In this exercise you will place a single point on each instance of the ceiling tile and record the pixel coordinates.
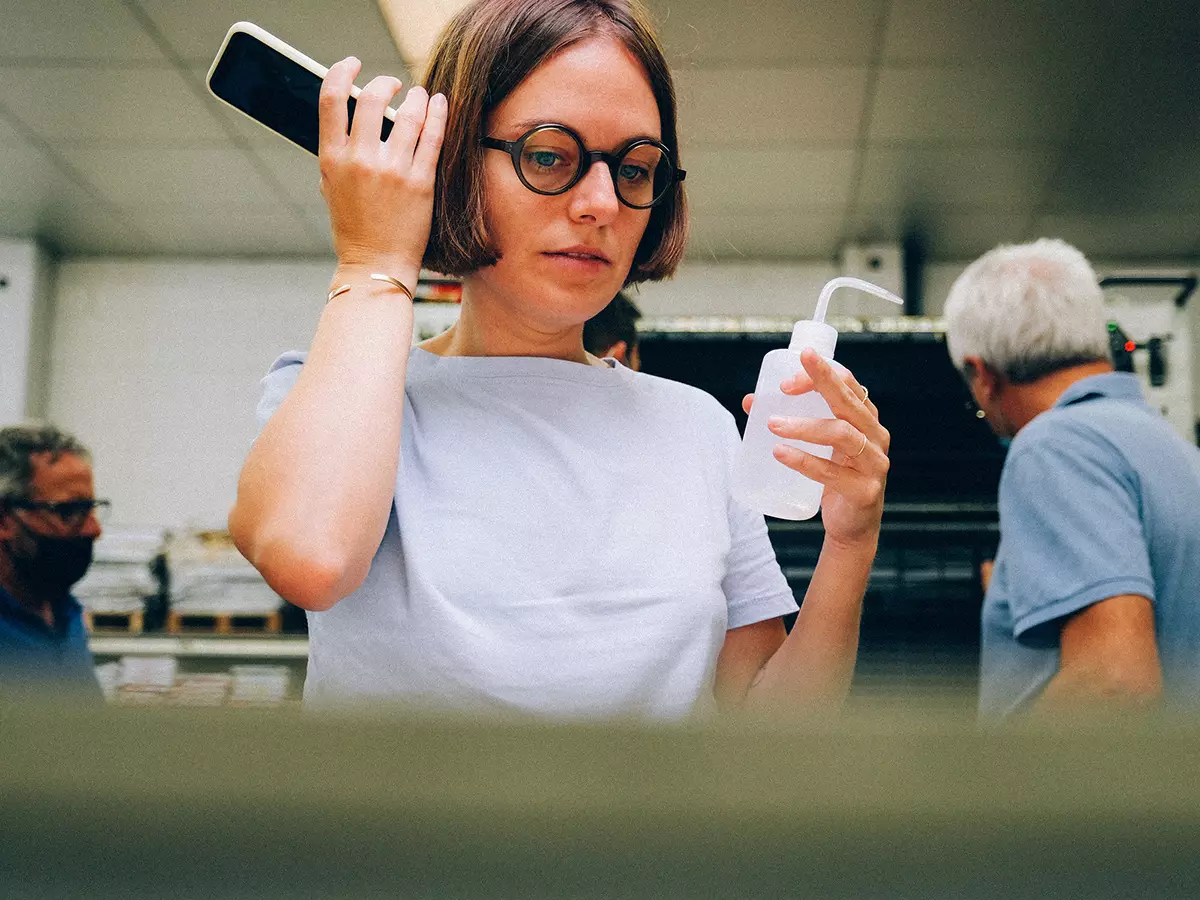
(225, 232)
(943, 232)
(770, 107)
(42, 202)
(794, 234)
(294, 169)
(325, 32)
(1156, 235)
(81, 105)
(1127, 177)
(972, 103)
(951, 30)
(992, 175)
(90, 228)
(101, 30)
(767, 32)
(769, 179)
(32, 183)
(132, 176)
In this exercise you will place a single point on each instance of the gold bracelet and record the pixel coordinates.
(386, 279)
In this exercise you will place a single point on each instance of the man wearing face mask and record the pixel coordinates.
(1094, 597)
(48, 526)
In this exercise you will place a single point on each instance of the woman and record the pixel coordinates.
(497, 518)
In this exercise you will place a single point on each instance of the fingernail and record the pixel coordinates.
(776, 422)
(438, 100)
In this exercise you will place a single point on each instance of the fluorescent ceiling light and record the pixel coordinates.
(415, 25)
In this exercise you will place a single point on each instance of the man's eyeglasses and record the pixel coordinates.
(551, 159)
(72, 513)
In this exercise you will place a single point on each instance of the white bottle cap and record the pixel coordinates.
(821, 336)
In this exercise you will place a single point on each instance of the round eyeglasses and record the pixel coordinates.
(551, 159)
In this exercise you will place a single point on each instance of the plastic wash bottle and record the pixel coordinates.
(760, 481)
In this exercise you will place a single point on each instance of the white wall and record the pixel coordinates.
(787, 290)
(25, 308)
(156, 363)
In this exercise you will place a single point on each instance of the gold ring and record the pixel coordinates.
(860, 449)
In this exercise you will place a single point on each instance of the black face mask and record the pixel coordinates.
(54, 563)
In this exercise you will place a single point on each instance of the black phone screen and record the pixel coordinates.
(269, 87)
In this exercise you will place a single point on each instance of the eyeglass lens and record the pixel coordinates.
(550, 160)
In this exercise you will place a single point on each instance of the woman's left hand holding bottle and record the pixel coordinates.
(379, 192)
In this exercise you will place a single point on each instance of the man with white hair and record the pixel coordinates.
(1095, 592)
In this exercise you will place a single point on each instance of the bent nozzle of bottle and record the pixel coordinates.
(820, 336)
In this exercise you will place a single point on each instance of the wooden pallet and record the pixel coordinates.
(127, 623)
(201, 623)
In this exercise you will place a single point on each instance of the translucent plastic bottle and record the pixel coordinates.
(760, 481)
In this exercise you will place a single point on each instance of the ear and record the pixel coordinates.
(982, 378)
(617, 351)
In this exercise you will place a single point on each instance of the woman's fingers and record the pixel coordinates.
(429, 146)
(836, 433)
(844, 395)
(862, 488)
(331, 106)
(747, 403)
(367, 126)
(410, 118)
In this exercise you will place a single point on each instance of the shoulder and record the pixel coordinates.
(1073, 450)
(694, 401)
(1094, 429)
(688, 409)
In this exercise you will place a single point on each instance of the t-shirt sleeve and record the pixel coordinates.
(278, 382)
(754, 585)
(1072, 530)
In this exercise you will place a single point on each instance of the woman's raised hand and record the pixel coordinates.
(379, 193)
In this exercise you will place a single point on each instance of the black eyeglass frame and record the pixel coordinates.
(81, 509)
(587, 159)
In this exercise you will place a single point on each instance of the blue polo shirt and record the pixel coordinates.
(1099, 497)
(34, 655)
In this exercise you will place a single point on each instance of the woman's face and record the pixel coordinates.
(562, 258)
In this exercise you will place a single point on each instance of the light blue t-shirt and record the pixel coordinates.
(563, 542)
(1098, 498)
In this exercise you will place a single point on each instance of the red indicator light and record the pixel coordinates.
(1130, 346)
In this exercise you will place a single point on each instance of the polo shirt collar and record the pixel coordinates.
(11, 609)
(1117, 385)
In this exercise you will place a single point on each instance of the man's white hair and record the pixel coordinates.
(1027, 310)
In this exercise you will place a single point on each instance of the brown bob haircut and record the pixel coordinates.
(483, 54)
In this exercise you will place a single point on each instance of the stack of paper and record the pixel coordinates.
(201, 690)
(122, 574)
(209, 577)
(145, 680)
(259, 685)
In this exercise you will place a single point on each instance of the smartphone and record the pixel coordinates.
(275, 84)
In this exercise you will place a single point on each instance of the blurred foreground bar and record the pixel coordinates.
(215, 804)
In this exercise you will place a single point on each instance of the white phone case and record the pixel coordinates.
(282, 47)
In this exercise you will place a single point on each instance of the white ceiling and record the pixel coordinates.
(949, 124)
